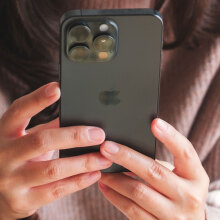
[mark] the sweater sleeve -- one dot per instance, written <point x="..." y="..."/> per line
<point x="212" y="213"/>
<point x="212" y="166"/>
<point x="205" y="136"/>
<point x="213" y="201"/>
<point x="213" y="198"/>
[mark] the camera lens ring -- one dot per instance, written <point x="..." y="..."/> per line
<point x="79" y="33"/>
<point x="104" y="43"/>
<point x="79" y="52"/>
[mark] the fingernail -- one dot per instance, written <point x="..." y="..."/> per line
<point x="103" y="161"/>
<point x="95" y="134"/>
<point x="102" y="186"/>
<point x="161" y="125"/>
<point x="111" y="148"/>
<point x="51" y="90"/>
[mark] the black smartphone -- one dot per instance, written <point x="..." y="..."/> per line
<point x="110" y="75"/>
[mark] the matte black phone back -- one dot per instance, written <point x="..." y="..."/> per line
<point x="132" y="77"/>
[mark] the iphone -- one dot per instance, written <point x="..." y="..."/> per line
<point x="110" y="75"/>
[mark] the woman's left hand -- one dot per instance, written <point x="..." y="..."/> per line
<point x="177" y="194"/>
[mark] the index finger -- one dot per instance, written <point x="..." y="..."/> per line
<point x="186" y="161"/>
<point x="17" y="117"/>
<point x="146" y="168"/>
<point x="35" y="144"/>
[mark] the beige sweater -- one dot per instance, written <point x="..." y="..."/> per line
<point x="190" y="101"/>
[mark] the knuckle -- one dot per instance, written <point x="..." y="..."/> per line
<point x="188" y="151"/>
<point x="155" y="171"/>
<point x="180" y="193"/>
<point x="16" y="103"/>
<point x="78" y="183"/>
<point x="53" y="171"/>
<point x="15" y="107"/>
<point x="16" y="205"/>
<point x="58" y="191"/>
<point x="88" y="163"/>
<point x="37" y="99"/>
<point x="132" y="211"/>
<point x="76" y="135"/>
<point x="127" y="156"/>
<point x="40" y="140"/>
<point x="194" y="201"/>
<point x="138" y="190"/>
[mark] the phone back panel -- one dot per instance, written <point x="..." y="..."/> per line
<point x="120" y="96"/>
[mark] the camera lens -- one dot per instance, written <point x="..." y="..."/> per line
<point x="104" y="43"/>
<point x="79" y="53"/>
<point x="80" y="33"/>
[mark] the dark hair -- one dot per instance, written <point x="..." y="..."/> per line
<point x="29" y="36"/>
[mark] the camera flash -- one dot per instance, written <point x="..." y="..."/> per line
<point x="103" y="27"/>
<point x="103" y="55"/>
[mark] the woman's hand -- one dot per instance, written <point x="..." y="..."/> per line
<point x="28" y="179"/>
<point x="177" y="194"/>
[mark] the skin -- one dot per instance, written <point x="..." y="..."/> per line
<point x="29" y="177"/>
<point x="162" y="193"/>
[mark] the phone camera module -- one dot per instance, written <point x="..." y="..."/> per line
<point x="103" y="27"/>
<point x="80" y="33"/>
<point x="79" y="53"/>
<point x="104" y="43"/>
<point x="89" y="40"/>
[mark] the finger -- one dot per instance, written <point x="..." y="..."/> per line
<point x="16" y="119"/>
<point x="125" y="205"/>
<point x="40" y="173"/>
<point x="41" y="195"/>
<point x="186" y="160"/>
<point x="138" y="192"/>
<point x="130" y="174"/>
<point x="35" y="144"/>
<point x="133" y="175"/>
<point x="166" y="164"/>
<point x="52" y="124"/>
<point x="146" y="168"/>
<point x="44" y="157"/>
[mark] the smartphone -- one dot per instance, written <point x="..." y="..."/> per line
<point x="110" y="75"/>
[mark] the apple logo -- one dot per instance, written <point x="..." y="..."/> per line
<point x="109" y="97"/>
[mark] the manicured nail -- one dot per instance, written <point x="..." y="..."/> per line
<point x="102" y="186"/>
<point x="51" y="90"/>
<point x="95" y="134"/>
<point x="161" y="125"/>
<point x="103" y="161"/>
<point x="111" y="147"/>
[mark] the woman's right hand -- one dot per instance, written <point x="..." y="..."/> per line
<point x="28" y="178"/>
